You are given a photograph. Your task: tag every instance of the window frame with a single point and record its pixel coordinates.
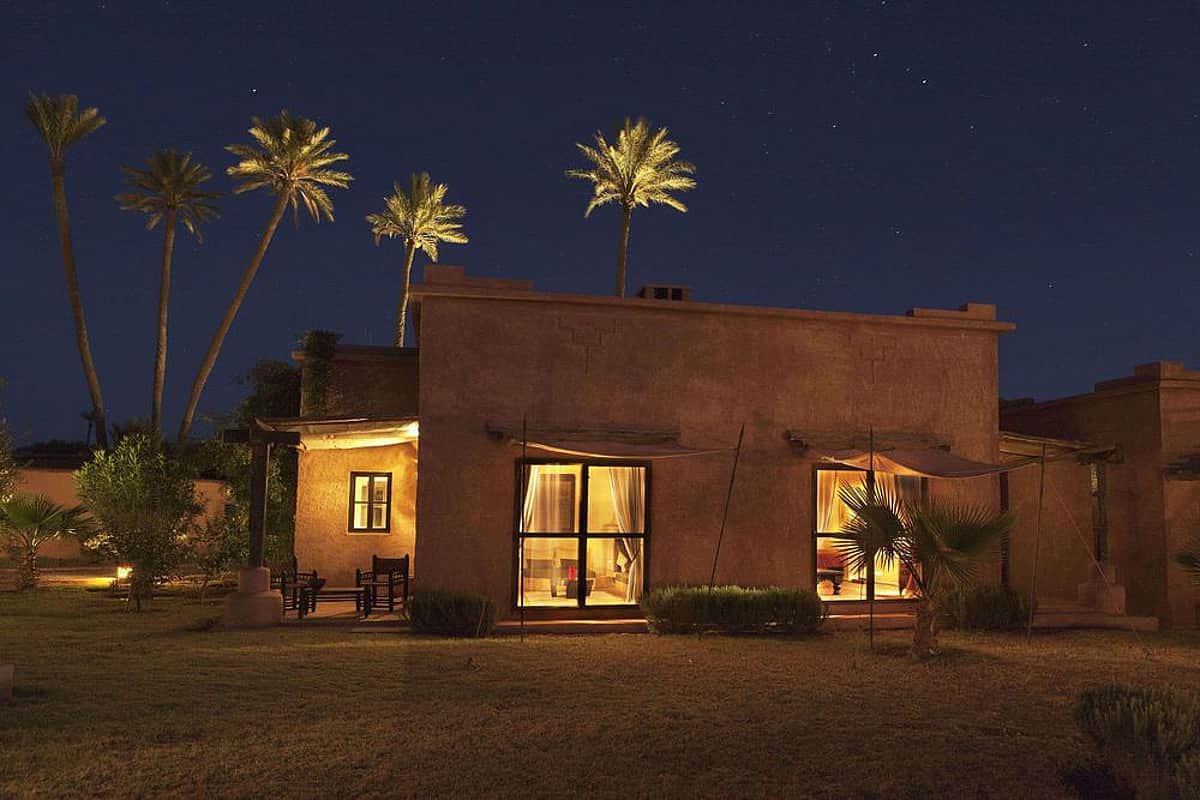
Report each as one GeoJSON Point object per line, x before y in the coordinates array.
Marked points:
{"type": "Point", "coordinates": [817, 534]}
{"type": "Point", "coordinates": [386, 502]}
{"type": "Point", "coordinates": [583, 535]}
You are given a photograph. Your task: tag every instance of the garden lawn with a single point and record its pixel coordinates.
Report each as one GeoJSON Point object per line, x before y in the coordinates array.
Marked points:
{"type": "Point", "coordinates": [120, 705]}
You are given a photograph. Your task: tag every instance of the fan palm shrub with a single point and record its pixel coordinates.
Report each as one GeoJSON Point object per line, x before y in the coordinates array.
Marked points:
{"type": "Point", "coordinates": [290, 158]}
{"type": "Point", "coordinates": [167, 191]}
{"type": "Point", "coordinates": [638, 169]}
{"type": "Point", "coordinates": [61, 123]}
{"type": "Point", "coordinates": [938, 544]}
{"type": "Point", "coordinates": [29, 521]}
{"type": "Point", "coordinates": [420, 218]}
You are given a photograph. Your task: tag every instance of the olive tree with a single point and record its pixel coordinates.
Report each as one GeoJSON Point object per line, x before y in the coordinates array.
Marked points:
{"type": "Point", "coordinates": [145, 507]}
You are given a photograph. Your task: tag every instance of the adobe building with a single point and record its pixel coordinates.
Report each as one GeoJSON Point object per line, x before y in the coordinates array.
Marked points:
{"type": "Point", "coordinates": [1126, 509]}
{"type": "Point", "coordinates": [565, 453]}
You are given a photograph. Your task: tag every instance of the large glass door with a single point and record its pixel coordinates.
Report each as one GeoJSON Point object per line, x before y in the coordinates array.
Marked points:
{"type": "Point", "coordinates": [581, 535]}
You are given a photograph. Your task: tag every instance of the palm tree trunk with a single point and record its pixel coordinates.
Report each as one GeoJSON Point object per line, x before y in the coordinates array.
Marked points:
{"type": "Point", "coordinates": [27, 569]}
{"type": "Point", "coordinates": [214, 348]}
{"type": "Point", "coordinates": [925, 630]}
{"type": "Point", "coordinates": [160, 349]}
{"type": "Point", "coordinates": [81, 335]}
{"type": "Point", "coordinates": [402, 310]}
{"type": "Point", "coordinates": [623, 248]}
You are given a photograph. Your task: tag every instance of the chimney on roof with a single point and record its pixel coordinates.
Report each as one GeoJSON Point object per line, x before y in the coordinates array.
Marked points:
{"type": "Point", "coordinates": [664, 291]}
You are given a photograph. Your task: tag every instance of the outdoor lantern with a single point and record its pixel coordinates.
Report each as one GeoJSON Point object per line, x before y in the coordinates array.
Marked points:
{"type": "Point", "coordinates": [123, 572]}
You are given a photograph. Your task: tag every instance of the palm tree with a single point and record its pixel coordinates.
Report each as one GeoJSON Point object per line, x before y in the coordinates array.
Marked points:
{"type": "Point", "coordinates": [167, 191]}
{"type": "Point", "coordinates": [28, 522]}
{"type": "Point", "coordinates": [638, 170]}
{"type": "Point", "coordinates": [937, 544]}
{"type": "Point", "coordinates": [61, 124]}
{"type": "Point", "coordinates": [421, 219]}
{"type": "Point", "coordinates": [291, 159]}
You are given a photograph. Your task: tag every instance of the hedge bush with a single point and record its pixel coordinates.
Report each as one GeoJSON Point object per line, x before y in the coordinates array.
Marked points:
{"type": "Point", "coordinates": [733, 609]}
{"type": "Point", "coordinates": [988, 608]}
{"type": "Point", "coordinates": [1149, 737]}
{"type": "Point", "coordinates": [446, 613]}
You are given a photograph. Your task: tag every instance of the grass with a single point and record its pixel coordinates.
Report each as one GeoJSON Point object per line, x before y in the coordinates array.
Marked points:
{"type": "Point", "coordinates": [125, 705]}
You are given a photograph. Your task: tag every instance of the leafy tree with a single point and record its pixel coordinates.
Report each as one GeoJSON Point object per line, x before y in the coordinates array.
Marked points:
{"type": "Point", "coordinates": [167, 192]}
{"type": "Point", "coordinates": [220, 545]}
{"type": "Point", "coordinates": [275, 393]}
{"type": "Point", "coordinates": [420, 218]}
{"type": "Point", "coordinates": [291, 159]}
{"type": "Point", "coordinates": [938, 545]}
{"type": "Point", "coordinates": [639, 169]}
{"type": "Point", "coordinates": [27, 522]}
{"type": "Point", "coordinates": [61, 124]}
{"type": "Point", "coordinates": [145, 505]}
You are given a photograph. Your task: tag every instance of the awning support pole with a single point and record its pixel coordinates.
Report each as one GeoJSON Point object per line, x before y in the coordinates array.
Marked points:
{"type": "Point", "coordinates": [871, 563]}
{"type": "Point", "coordinates": [521, 515]}
{"type": "Point", "coordinates": [737, 456]}
{"type": "Point", "coordinates": [1037, 546]}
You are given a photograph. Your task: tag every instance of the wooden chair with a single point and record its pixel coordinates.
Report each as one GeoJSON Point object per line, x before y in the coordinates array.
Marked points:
{"type": "Point", "coordinates": [386, 582]}
{"type": "Point", "coordinates": [291, 582]}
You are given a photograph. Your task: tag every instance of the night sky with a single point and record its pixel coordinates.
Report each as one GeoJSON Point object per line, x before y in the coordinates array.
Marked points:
{"type": "Point", "coordinates": [850, 156]}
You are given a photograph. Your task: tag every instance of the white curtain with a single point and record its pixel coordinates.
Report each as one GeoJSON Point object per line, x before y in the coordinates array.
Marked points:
{"type": "Point", "coordinates": [531, 492]}
{"type": "Point", "coordinates": [628, 487]}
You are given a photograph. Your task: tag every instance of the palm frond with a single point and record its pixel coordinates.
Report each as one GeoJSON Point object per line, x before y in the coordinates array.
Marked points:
{"type": "Point", "coordinates": [419, 216]}
{"type": "Point", "coordinates": [169, 184]}
{"type": "Point", "coordinates": [638, 170]}
{"type": "Point", "coordinates": [876, 530]}
{"type": "Point", "coordinates": [36, 519]}
{"type": "Point", "coordinates": [59, 121]}
{"type": "Point", "coordinates": [291, 158]}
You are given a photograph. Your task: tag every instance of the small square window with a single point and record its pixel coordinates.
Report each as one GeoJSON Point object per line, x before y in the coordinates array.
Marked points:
{"type": "Point", "coordinates": [370, 502]}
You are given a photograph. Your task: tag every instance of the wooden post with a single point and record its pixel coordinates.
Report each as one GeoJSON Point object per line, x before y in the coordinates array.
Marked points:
{"type": "Point", "coordinates": [260, 461]}
{"type": "Point", "coordinates": [255, 604]}
{"type": "Point", "coordinates": [1037, 546]}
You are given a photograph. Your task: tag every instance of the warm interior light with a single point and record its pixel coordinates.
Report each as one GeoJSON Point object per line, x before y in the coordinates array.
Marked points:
{"type": "Point", "coordinates": [123, 572]}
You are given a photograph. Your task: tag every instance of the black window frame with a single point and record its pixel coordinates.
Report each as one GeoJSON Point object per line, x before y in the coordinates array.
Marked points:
{"type": "Point", "coordinates": [582, 535]}
{"type": "Point", "coordinates": [817, 534]}
{"type": "Point", "coordinates": [369, 503]}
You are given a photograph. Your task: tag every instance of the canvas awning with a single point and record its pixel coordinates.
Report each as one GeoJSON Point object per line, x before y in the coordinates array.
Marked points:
{"type": "Point", "coordinates": [926, 463]}
{"type": "Point", "coordinates": [346, 433]}
{"type": "Point", "coordinates": [636, 444]}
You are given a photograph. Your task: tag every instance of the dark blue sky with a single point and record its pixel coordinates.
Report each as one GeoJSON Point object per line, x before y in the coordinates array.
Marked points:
{"type": "Point", "coordinates": [850, 156]}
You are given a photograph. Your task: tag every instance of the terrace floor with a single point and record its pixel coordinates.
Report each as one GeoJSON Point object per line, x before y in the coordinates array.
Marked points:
{"type": "Point", "coordinates": [164, 703]}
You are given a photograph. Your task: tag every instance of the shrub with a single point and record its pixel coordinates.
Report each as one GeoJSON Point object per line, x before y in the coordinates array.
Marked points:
{"type": "Point", "coordinates": [145, 505]}
{"type": "Point", "coordinates": [733, 609]}
{"type": "Point", "coordinates": [447, 613]}
{"type": "Point", "coordinates": [1148, 735]}
{"type": "Point", "coordinates": [986, 608]}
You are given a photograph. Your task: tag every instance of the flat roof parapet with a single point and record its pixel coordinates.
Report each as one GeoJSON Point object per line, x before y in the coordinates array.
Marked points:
{"type": "Point", "coordinates": [1154, 372]}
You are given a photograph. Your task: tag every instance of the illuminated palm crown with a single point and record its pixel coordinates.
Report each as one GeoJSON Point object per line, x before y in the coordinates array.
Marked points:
{"type": "Point", "coordinates": [291, 159]}
{"type": "Point", "coordinates": [638, 170]}
{"type": "Point", "coordinates": [60, 122]}
{"type": "Point", "coordinates": [168, 185]}
{"type": "Point", "coordinates": [420, 216]}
